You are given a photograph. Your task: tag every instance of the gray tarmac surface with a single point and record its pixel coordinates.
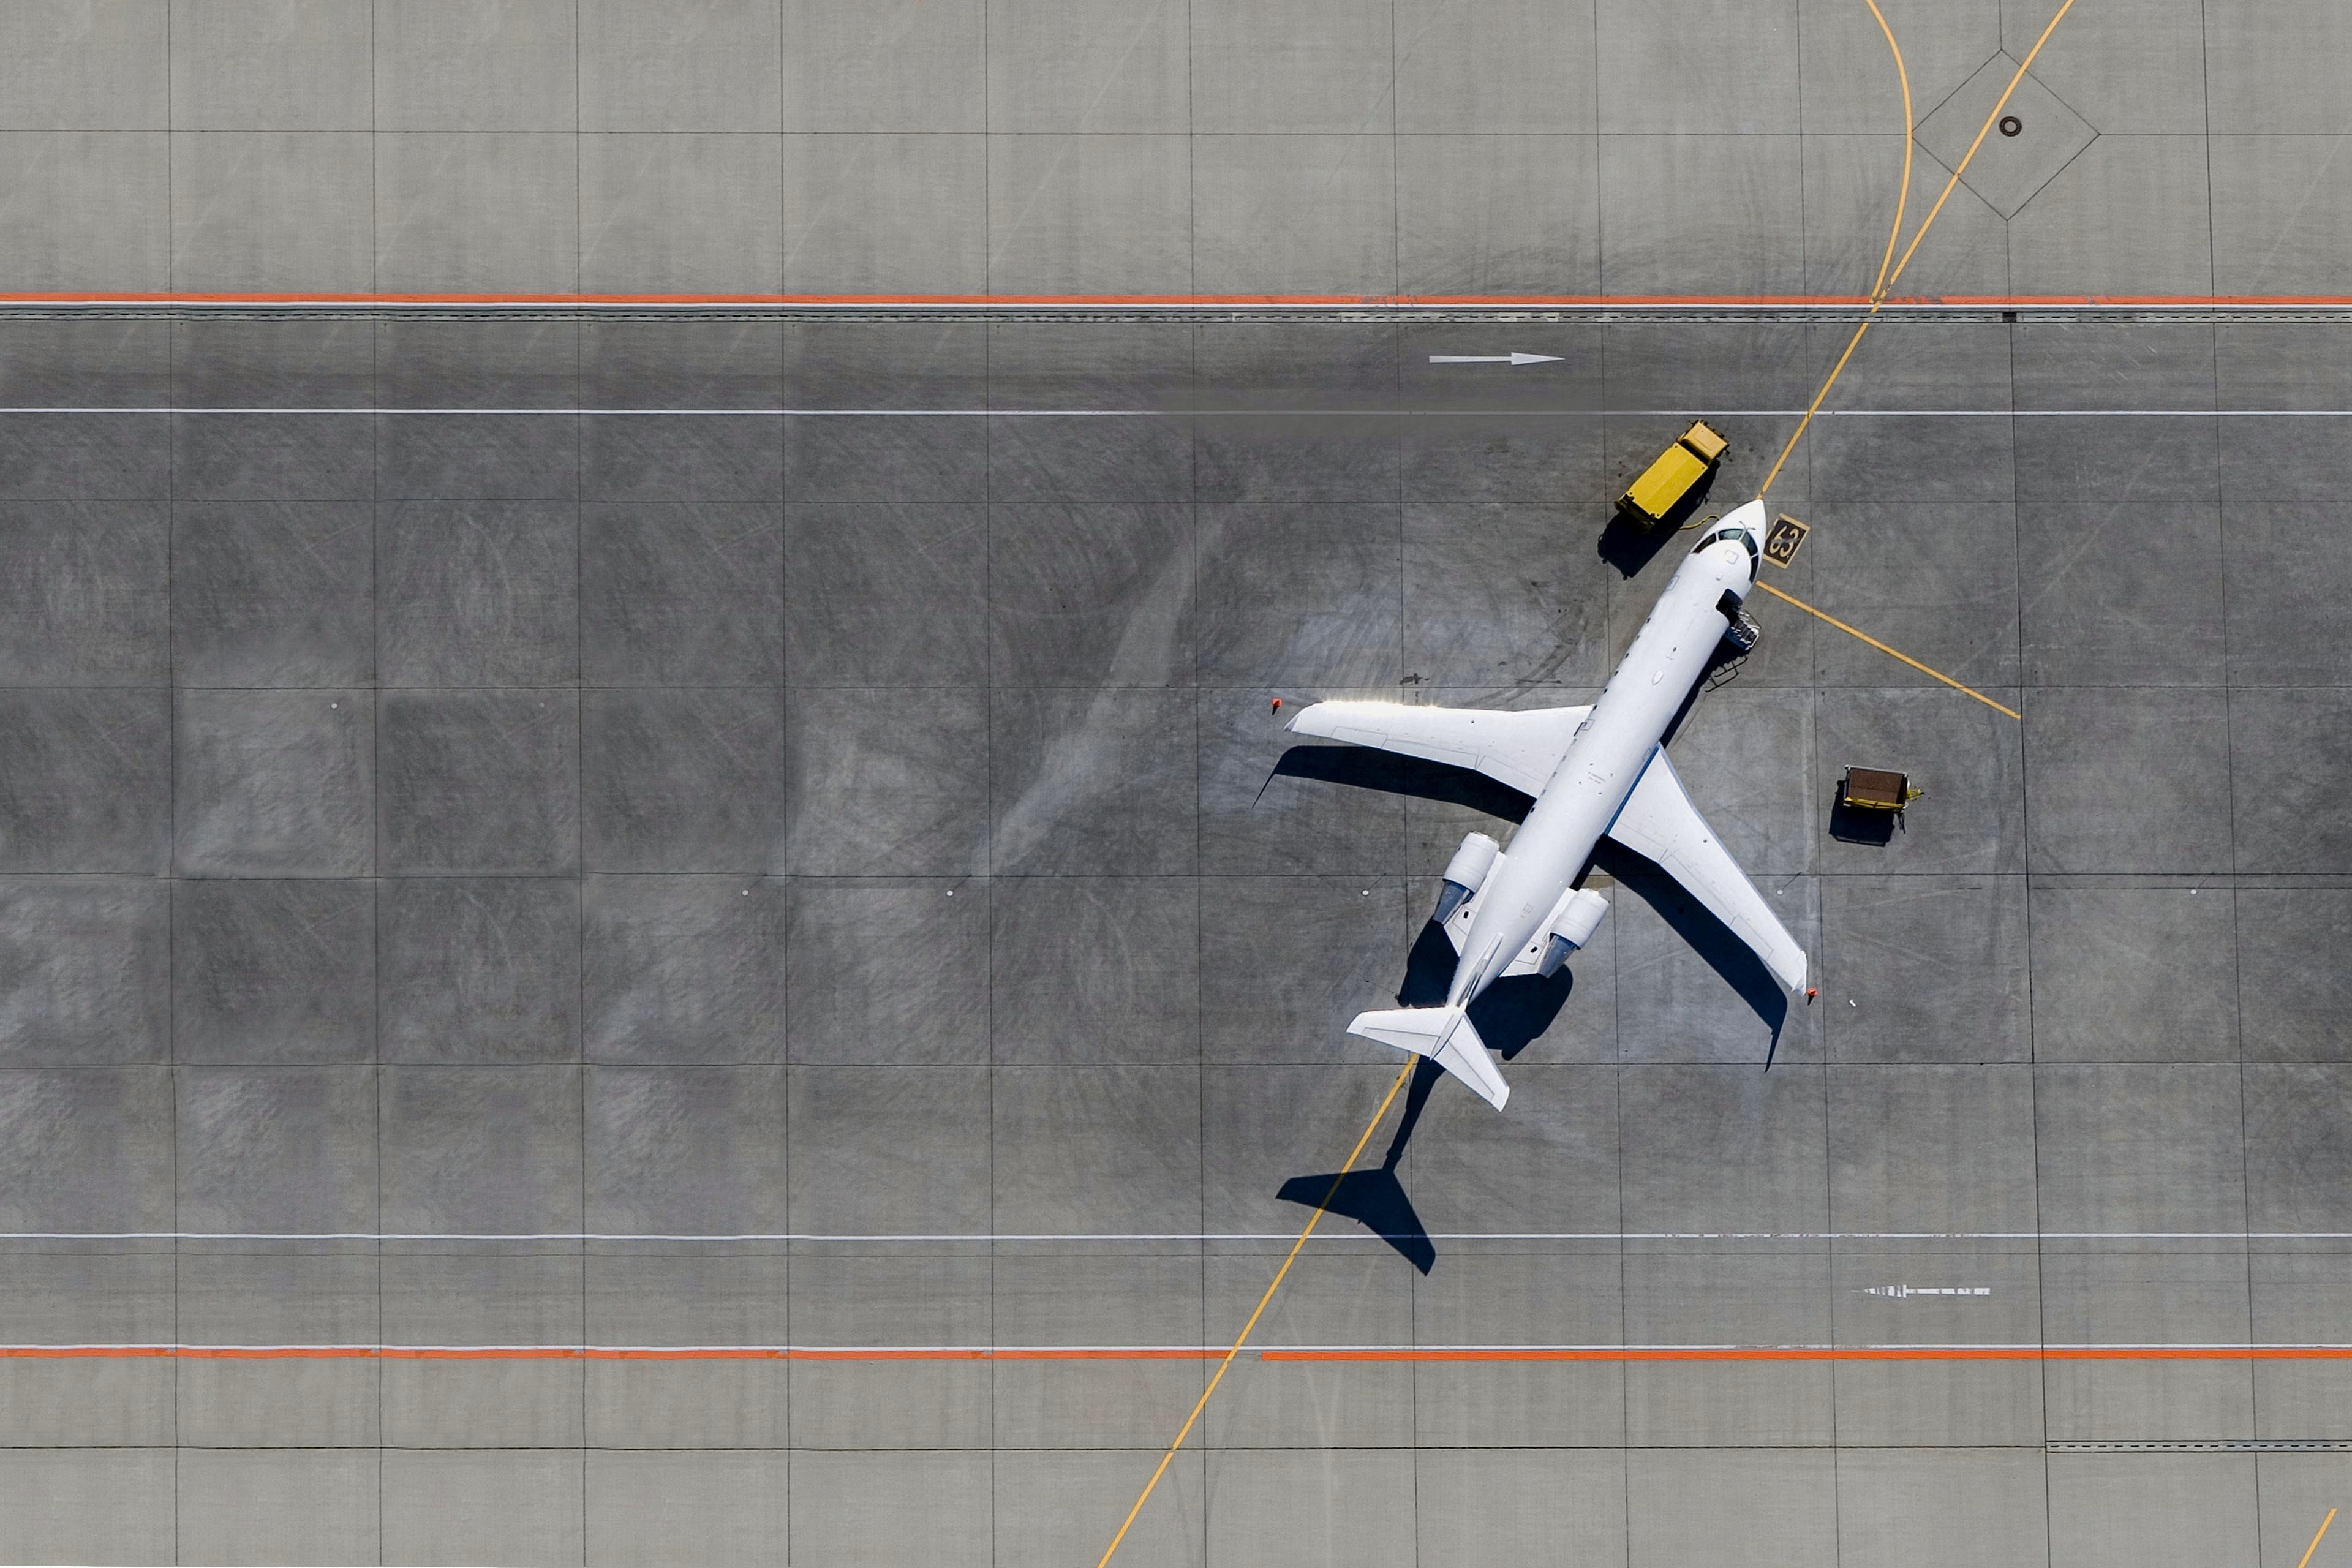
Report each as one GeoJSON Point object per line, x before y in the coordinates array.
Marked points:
{"type": "Point", "coordinates": [609, 804]}
{"type": "Point", "coordinates": [1164, 146]}
{"type": "Point", "coordinates": [861, 826]}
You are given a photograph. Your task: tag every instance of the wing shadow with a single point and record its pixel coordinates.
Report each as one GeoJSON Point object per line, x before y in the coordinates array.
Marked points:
{"type": "Point", "coordinates": [1516, 1008]}
{"type": "Point", "coordinates": [1730, 957]}
{"type": "Point", "coordinates": [1512, 1013]}
{"type": "Point", "coordinates": [1363, 768]}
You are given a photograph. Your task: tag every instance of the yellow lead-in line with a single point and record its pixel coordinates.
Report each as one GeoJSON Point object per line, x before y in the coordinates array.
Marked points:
{"type": "Point", "coordinates": [1903, 193]}
{"type": "Point", "coordinates": [1982, 131]}
{"type": "Point", "coordinates": [1891, 653]}
{"type": "Point", "coordinates": [1878, 294]}
{"type": "Point", "coordinates": [1884, 280]}
{"type": "Point", "coordinates": [2314, 1540]}
{"type": "Point", "coordinates": [1224, 1366]}
{"type": "Point", "coordinates": [1888, 279]}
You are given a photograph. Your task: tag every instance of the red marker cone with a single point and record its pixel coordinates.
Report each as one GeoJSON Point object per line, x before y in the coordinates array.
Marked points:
{"type": "Point", "coordinates": [1277, 706]}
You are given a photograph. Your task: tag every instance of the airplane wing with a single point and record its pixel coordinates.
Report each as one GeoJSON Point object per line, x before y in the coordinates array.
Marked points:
{"type": "Point", "coordinates": [1660, 822]}
{"type": "Point", "coordinates": [1516, 749]}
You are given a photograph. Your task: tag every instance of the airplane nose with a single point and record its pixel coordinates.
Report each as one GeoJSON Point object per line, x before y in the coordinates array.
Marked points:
{"type": "Point", "coordinates": [1750, 517]}
{"type": "Point", "coordinates": [1744, 526]}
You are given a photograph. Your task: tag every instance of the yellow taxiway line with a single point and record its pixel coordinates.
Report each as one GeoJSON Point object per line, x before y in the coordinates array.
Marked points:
{"type": "Point", "coordinates": [2314, 1540]}
{"type": "Point", "coordinates": [1887, 281]}
{"type": "Point", "coordinates": [1243, 1338]}
{"type": "Point", "coordinates": [1891, 653]}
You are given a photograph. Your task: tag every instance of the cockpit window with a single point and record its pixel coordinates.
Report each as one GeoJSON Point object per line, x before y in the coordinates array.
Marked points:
{"type": "Point", "coordinates": [1740, 534]}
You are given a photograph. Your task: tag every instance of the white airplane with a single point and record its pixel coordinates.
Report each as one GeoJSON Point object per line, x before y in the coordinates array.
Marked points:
{"type": "Point", "coordinates": [1593, 772]}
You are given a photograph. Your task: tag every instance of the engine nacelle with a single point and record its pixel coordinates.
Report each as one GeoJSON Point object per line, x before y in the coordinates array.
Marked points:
{"type": "Point", "coordinates": [1573, 920]}
{"type": "Point", "coordinates": [1465, 873]}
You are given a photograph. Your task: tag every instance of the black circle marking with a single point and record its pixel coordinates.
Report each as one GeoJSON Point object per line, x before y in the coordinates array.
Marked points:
{"type": "Point", "coordinates": [2010, 125]}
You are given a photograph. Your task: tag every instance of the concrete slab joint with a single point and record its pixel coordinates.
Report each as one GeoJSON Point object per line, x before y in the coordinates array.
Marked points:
{"type": "Point", "coordinates": [688, 933]}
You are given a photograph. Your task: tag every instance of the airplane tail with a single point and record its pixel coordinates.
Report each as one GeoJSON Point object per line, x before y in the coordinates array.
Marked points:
{"type": "Point", "coordinates": [1445, 1034]}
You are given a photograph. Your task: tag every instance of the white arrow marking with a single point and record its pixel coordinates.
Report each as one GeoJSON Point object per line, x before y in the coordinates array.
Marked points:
{"type": "Point", "coordinates": [1492, 359]}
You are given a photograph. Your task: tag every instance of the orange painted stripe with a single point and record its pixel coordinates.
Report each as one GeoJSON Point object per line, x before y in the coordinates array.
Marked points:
{"type": "Point", "coordinates": [502, 1353]}
{"type": "Point", "coordinates": [575, 1352]}
{"type": "Point", "coordinates": [1105, 1355]}
{"type": "Point", "coordinates": [1211, 300]}
{"type": "Point", "coordinates": [1856, 1353]}
{"type": "Point", "coordinates": [1498, 1354]}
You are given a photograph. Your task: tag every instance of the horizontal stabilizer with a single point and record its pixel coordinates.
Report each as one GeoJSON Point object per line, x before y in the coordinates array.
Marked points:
{"type": "Point", "coordinates": [1445, 1034]}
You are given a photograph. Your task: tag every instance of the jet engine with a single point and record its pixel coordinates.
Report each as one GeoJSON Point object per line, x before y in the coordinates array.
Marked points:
{"type": "Point", "coordinates": [1465, 873]}
{"type": "Point", "coordinates": [1573, 923]}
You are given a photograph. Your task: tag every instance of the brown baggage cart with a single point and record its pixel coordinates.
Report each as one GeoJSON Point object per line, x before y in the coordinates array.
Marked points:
{"type": "Point", "coordinates": [1876, 789]}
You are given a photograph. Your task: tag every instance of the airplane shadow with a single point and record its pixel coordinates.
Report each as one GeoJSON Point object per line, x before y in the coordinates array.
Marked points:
{"type": "Point", "coordinates": [1502, 1014]}
{"type": "Point", "coordinates": [1374, 1199]}
{"type": "Point", "coordinates": [1733, 960]}
{"type": "Point", "coordinates": [1394, 775]}
{"type": "Point", "coordinates": [1508, 1017]}
{"type": "Point", "coordinates": [1513, 1012]}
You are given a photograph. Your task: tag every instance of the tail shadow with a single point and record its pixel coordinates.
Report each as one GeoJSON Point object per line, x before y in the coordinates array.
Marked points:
{"type": "Point", "coordinates": [1511, 1014]}
{"type": "Point", "coordinates": [1375, 1198]}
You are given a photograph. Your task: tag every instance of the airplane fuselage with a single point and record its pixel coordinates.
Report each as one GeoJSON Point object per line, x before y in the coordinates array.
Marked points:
{"type": "Point", "coordinates": [1606, 758]}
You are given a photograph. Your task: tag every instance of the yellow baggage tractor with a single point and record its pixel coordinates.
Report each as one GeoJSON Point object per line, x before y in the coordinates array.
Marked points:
{"type": "Point", "coordinates": [1667, 481]}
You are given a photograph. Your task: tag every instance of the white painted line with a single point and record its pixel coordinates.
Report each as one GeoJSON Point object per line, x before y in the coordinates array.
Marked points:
{"type": "Point", "coordinates": [976, 1237]}
{"type": "Point", "coordinates": [1597, 1347]}
{"type": "Point", "coordinates": [1513, 358]}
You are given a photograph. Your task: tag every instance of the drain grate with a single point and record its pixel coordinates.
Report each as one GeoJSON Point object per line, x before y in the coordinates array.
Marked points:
{"type": "Point", "coordinates": [2211, 1446]}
